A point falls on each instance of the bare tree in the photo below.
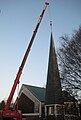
(70, 62)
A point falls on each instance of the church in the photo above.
(50, 103)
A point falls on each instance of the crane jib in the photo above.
(16, 81)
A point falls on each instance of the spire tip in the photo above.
(51, 25)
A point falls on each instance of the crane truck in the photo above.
(8, 114)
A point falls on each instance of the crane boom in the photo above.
(16, 81)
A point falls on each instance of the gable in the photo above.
(38, 92)
(25, 104)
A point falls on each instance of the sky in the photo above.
(18, 19)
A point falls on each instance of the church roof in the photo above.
(67, 97)
(39, 93)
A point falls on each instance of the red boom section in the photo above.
(16, 81)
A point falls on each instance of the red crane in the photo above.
(7, 113)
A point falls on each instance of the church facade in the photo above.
(50, 102)
(32, 104)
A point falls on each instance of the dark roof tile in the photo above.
(38, 92)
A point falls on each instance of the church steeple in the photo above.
(53, 94)
(53, 87)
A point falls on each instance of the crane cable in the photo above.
(50, 18)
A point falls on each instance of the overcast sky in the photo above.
(18, 19)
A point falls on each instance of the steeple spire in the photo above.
(53, 96)
(53, 87)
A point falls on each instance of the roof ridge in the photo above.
(34, 86)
